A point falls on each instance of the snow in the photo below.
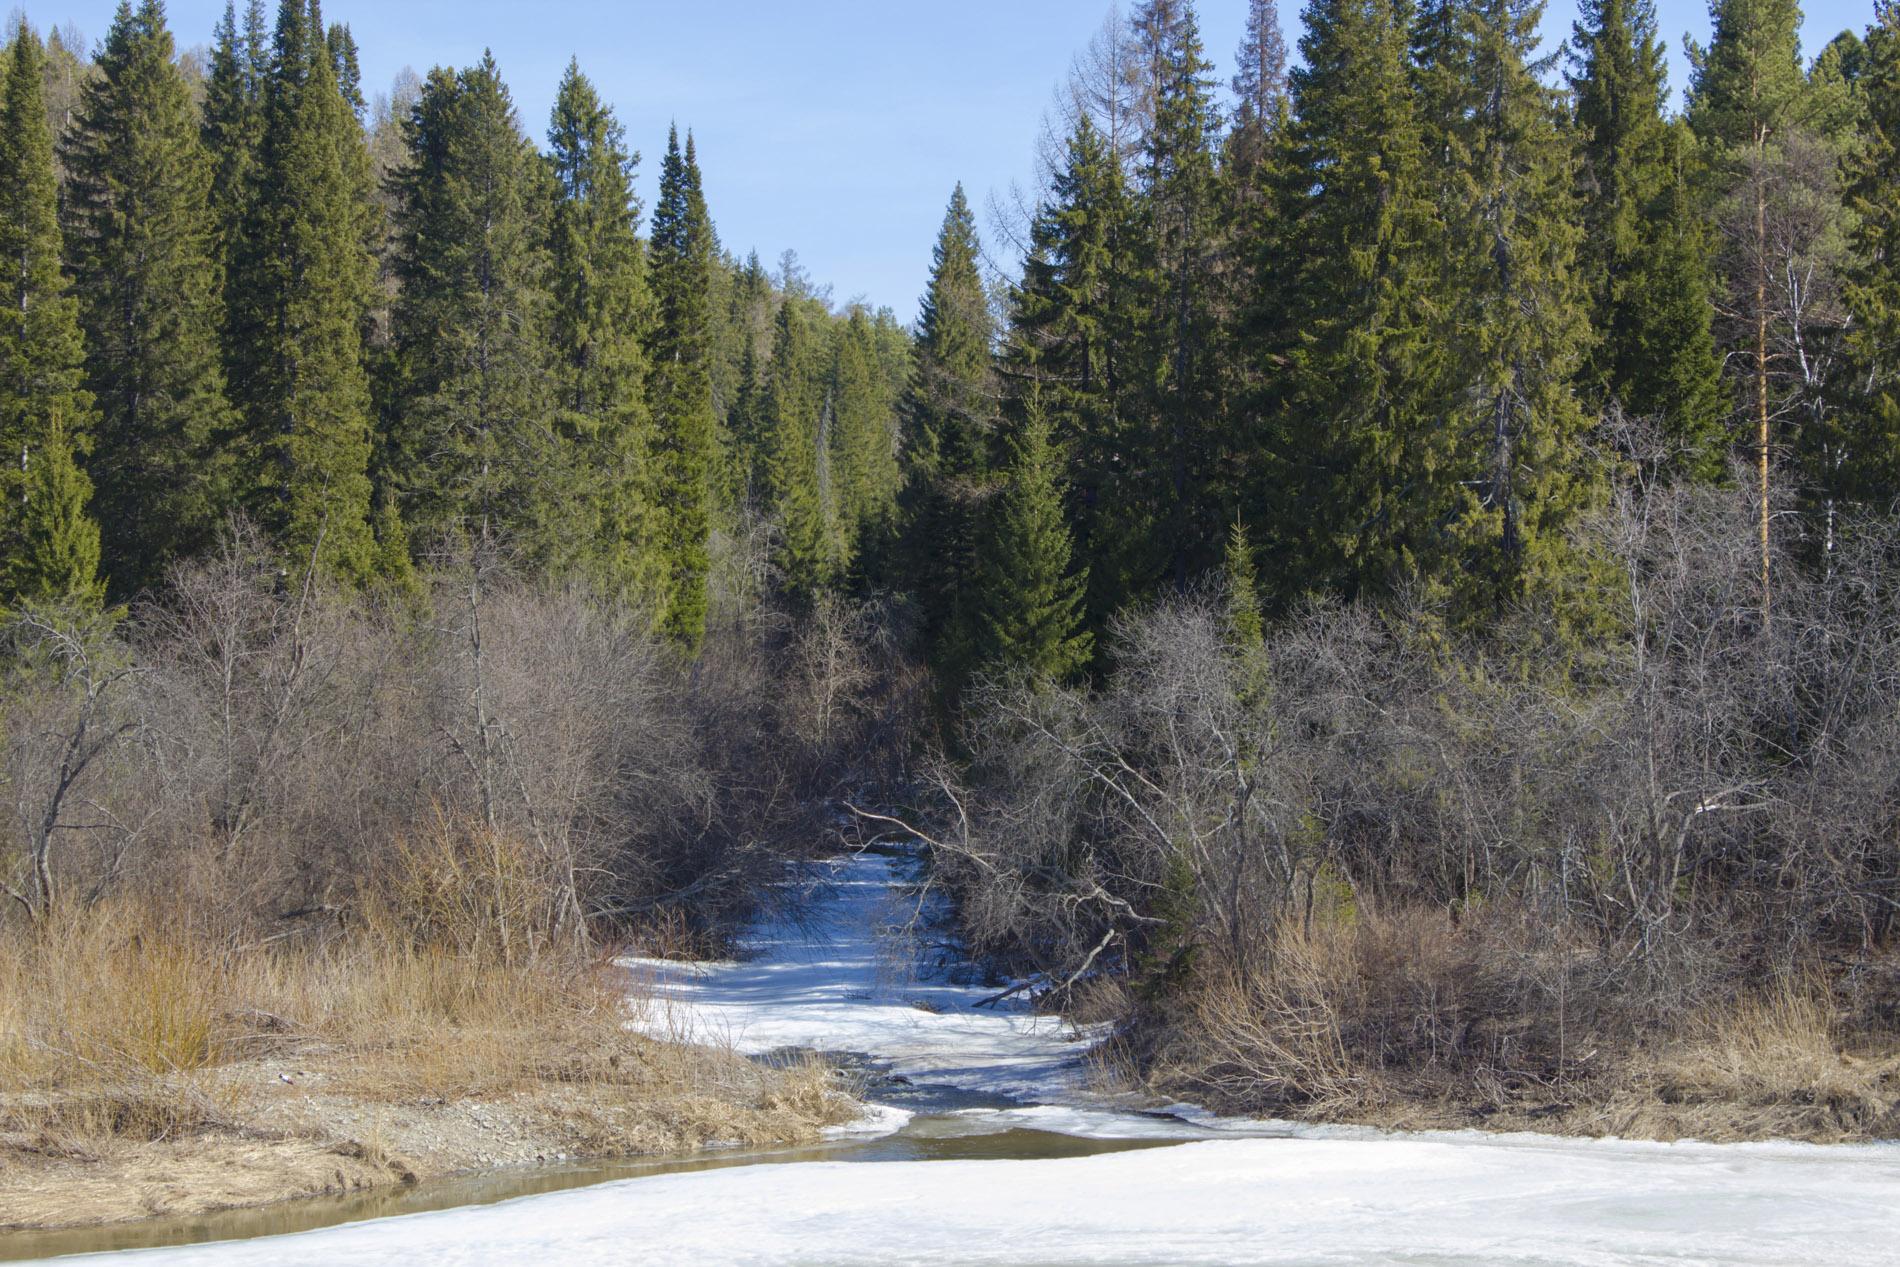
(1333, 1202)
(1231, 1192)
(840, 981)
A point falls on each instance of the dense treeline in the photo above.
(1408, 563)
(381, 340)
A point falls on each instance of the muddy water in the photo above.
(939, 1137)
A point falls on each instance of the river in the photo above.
(986, 1145)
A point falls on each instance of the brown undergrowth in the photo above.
(150, 1064)
(1412, 1020)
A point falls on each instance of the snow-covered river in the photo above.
(1061, 1177)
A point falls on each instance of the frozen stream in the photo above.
(993, 1151)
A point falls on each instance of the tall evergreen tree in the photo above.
(1346, 348)
(1869, 471)
(1260, 87)
(790, 421)
(1073, 325)
(233, 119)
(602, 314)
(864, 472)
(1030, 602)
(1644, 251)
(142, 244)
(949, 413)
(1515, 315)
(1183, 443)
(685, 439)
(1744, 94)
(48, 541)
(299, 374)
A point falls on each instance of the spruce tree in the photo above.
(1182, 443)
(948, 413)
(1514, 472)
(473, 455)
(1868, 473)
(790, 423)
(680, 392)
(1644, 252)
(302, 289)
(1347, 349)
(142, 244)
(863, 453)
(1073, 322)
(48, 541)
(602, 313)
(1030, 601)
(233, 120)
(1260, 88)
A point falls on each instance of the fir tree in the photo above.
(142, 244)
(300, 296)
(49, 543)
(602, 313)
(1260, 88)
(1030, 601)
(948, 412)
(473, 455)
(680, 394)
(791, 431)
(1644, 251)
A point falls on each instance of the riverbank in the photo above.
(149, 1071)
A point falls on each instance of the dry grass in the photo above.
(132, 1029)
(1409, 1020)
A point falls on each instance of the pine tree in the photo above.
(680, 394)
(142, 245)
(863, 456)
(1644, 251)
(790, 423)
(300, 295)
(47, 539)
(602, 313)
(1743, 97)
(1869, 471)
(1031, 610)
(949, 413)
(1516, 317)
(473, 455)
(1347, 349)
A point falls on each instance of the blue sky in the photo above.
(833, 127)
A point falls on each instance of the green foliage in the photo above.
(948, 412)
(685, 443)
(1747, 83)
(1868, 473)
(862, 447)
(1645, 249)
(233, 119)
(790, 430)
(142, 245)
(473, 457)
(1031, 609)
(299, 296)
(602, 316)
(49, 546)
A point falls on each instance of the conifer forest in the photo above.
(1373, 587)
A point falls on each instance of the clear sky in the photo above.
(833, 127)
